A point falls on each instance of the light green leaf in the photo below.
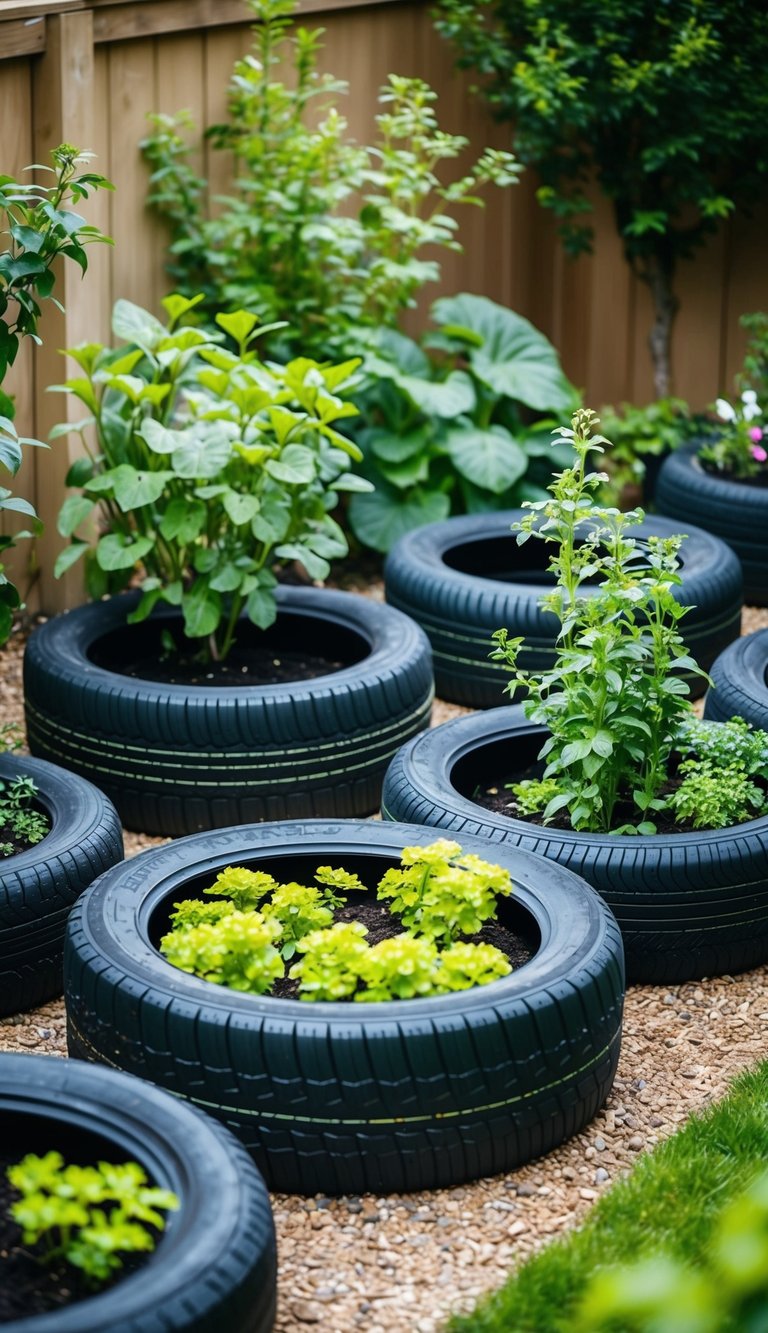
(448, 398)
(183, 520)
(241, 508)
(134, 489)
(296, 465)
(201, 608)
(491, 459)
(135, 325)
(159, 438)
(379, 519)
(115, 551)
(202, 455)
(261, 607)
(68, 557)
(73, 512)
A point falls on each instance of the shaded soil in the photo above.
(497, 798)
(758, 482)
(244, 666)
(383, 924)
(9, 837)
(28, 1285)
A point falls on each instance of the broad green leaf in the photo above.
(262, 608)
(134, 489)
(379, 519)
(448, 398)
(239, 325)
(68, 557)
(201, 609)
(241, 508)
(202, 455)
(395, 448)
(115, 551)
(296, 465)
(159, 438)
(513, 358)
(183, 520)
(316, 566)
(227, 580)
(74, 511)
(350, 481)
(409, 473)
(490, 458)
(135, 325)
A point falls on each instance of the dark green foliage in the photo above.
(665, 104)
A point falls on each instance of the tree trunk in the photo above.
(658, 271)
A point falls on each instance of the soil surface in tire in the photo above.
(242, 667)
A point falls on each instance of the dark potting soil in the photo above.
(28, 1285)
(244, 666)
(382, 924)
(10, 838)
(758, 482)
(496, 797)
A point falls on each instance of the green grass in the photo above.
(669, 1202)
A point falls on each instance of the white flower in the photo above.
(750, 408)
(724, 410)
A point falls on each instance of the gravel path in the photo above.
(410, 1261)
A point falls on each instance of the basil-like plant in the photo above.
(316, 229)
(41, 226)
(614, 703)
(210, 467)
(459, 422)
(18, 817)
(87, 1215)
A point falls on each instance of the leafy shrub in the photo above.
(41, 227)
(440, 891)
(17, 815)
(739, 449)
(443, 892)
(212, 466)
(638, 434)
(87, 1215)
(614, 704)
(317, 229)
(754, 372)
(461, 422)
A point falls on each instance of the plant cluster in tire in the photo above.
(87, 1215)
(624, 750)
(211, 468)
(256, 925)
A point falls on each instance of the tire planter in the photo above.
(729, 509)
(688, 904)
(466, 577)
(39, 886)
(740, 687)
(346, 1098)
(179, 758)
(214, 1265)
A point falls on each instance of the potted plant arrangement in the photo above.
(722, 486)
(454, 1022)
(208, 695)
(462, 578)
(56, 833)
(605, 768)
(123, 1209)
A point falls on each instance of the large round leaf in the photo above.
(378, 520)
(506, 352)
(447, 398)
(491, 459)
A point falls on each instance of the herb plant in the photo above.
(211, 467)
(87, 1215)
(40, 226)
(614, 703)
(440, 893)
(18, 819)
(460, 422)
(739, 450)
(318, 229)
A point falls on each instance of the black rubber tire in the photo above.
(460, 610)
(739, 682)
(688, 904)
(39, 886)
(214, 1268)
(729, 509)
(346, 1098)
(176, 758)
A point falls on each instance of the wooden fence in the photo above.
(89, 71)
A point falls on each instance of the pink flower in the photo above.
(755, 434)
(759, 453)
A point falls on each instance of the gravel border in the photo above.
(353, 1263)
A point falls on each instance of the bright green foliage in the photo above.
(712, 796)
(691, 1209)
(40, 226)
(614, 700)
(533, 795)
(464, 965)
(442, 892)
(244, 887)
(400, 968)
(331, 964)
(212, 467)
(17, 814)
(461, 422)
(725, 744)
(664, 104)
(738, 449)
(237, 951)
(87, 1215)
(298, 909)
(317, 230)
